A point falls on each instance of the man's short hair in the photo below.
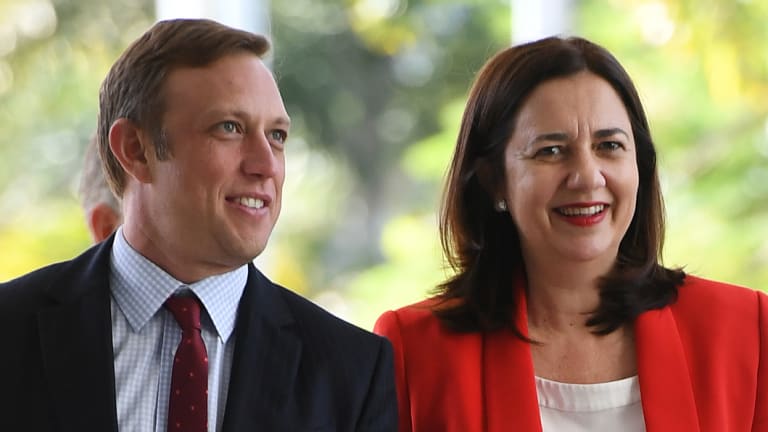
(133, 88)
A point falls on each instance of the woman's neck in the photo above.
(585, 359)
(562, 295)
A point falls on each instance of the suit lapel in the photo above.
(510, 388)
(665, 385)
(266, 359)
(76, 344)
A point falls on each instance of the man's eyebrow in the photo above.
(279, 120)
(283, 121)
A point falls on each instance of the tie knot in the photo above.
(186, 310)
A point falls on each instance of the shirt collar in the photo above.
(140, 288)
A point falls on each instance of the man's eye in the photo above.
(278, 135)
(228, 127)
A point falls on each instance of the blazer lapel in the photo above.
(511, 402)
(266, 359)
(665, 385)
(76, 344)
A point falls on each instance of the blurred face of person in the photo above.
(571, 171)
(211, 206)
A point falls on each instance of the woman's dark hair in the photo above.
(483, 246)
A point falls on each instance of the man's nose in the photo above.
(259, 157)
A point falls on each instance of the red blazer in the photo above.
(702, 366)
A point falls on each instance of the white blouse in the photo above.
(611, 406)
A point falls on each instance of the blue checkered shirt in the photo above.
(145, 336)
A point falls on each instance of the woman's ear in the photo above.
(131, 147)
(490, 180)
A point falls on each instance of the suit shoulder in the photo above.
(719, 307)
(28, 290)
(413, 322)
(35, 289)
(416, 314)
(315, 319)
(708, 292)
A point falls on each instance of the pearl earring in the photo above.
(501, 205)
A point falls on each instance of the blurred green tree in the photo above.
(52, 59)
(376, 89)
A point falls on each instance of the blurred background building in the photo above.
(375, 89)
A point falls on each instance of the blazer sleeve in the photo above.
(760, 423)
(380, 409)
(388, 325)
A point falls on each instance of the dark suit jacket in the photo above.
(702, 365)
(295, 366)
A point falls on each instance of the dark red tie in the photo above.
(188, 402)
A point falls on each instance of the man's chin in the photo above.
(250, 252)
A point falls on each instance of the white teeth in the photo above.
(582, 211)
(250, 202)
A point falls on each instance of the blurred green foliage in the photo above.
(376, 90)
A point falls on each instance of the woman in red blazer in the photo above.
(560, 316)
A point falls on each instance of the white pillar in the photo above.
(250, 15)
(536, 19)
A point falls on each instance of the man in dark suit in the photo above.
(192, 133)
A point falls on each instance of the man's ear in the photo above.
(102, 220)
(130, 145)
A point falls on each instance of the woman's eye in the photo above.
(610, 145)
